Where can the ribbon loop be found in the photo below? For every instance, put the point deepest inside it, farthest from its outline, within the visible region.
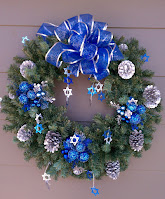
(90, 47)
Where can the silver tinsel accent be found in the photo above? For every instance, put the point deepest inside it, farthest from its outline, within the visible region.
(136, 140)
(123, 47)
(78, 170)
(152, 96)
(126, 69)
(11, 96)
(52, 141)
(24, 134)
(26, 65)
(113, 169)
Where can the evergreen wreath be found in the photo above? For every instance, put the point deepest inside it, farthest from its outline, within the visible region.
(65, 147)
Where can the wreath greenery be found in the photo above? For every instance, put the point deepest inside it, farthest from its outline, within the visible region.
(116, 90)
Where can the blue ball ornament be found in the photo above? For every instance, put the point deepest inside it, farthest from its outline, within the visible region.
(31, 94)
(135, 118)
(65, 156)
(23, 99)
(84, 157)
(141, 109)
(132, 107)
(80, 147)
(72, 155)
(24, 87)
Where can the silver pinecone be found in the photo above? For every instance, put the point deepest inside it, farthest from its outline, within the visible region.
(52, 141)
(78, 170)
(113, 169)
(152, 96)
(126, 69)
(26, 65)
(136, 140)
(24, 134)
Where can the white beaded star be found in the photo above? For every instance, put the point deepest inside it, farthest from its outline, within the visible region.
(99, 87)
(74, 140)
(108, 140)
(133, 100)
(46, 177)
(38, 118)
(67, 92)
(67, 72)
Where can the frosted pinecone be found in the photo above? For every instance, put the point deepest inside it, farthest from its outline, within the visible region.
(123, 47)
(24, 134)
(152, 96)
(78, 170)
(26, 65)
(52, 141)
(136, 140)
(126, 69)
(113, 169)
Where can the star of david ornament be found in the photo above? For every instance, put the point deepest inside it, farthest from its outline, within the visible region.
(99, 87)
(101, 96)
(39, 128)
(68, 80)
(145, 58)
(24, 39)
(67, 71)
(95, 191)
(46, 177)
(74, 140)
(92, 91)
(108, 140)
(38, 118)
(67, 92)
(107, 133)
(132, 100)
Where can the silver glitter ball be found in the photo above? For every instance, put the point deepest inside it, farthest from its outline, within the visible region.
(126, 69)
(24, 134)
(26, 65)
(123, 47)
(78, 170)
(136, 140)
(11, 96)
(113, 169)
(152, 96)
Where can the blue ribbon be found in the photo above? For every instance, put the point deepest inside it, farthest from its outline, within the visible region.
(89, 48)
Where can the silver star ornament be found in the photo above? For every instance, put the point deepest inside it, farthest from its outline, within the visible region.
(67, 92)
(74, 140)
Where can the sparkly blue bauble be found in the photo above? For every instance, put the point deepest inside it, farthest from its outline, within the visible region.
(31, 94)
(132, 106)
(80, 147)
(84, 157)
(23, 99)
(135, 118)
(73, 155)
(141, 109)
(24, 87)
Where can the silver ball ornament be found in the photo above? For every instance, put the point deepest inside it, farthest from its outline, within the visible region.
(123, 47)
(126, 69)
(78, 170)
(23, 134)
(26, 65)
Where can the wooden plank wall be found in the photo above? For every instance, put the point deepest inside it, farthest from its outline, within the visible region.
(143, 20)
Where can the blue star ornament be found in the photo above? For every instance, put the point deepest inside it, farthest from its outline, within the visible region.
(67, 71)
(145, 58)
(24, 39)
(39, 128)
(95, 191)
(101, 96)
(92, 90)
(68, 80)
(89, 175)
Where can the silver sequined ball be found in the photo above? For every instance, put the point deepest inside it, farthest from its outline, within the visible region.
(126, 69)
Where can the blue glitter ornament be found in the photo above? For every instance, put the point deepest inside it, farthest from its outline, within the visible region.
(23, 99)
(84, 157)
(132, 106)
(24, 87)
(141, 109)
(31, 94)
(72, 155)
(135, 118)
(80, 147)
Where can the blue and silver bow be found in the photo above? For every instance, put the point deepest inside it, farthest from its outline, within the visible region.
(89, 48)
